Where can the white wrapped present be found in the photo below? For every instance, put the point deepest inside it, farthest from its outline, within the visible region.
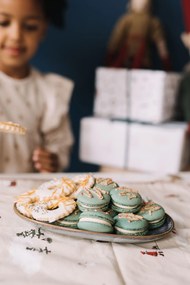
(111, 93)
(103, 142)
(151, 148)
(158, 148)
(153, 95)
(138, 95)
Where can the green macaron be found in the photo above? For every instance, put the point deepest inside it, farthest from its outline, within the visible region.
(125, 200)
(131, 224)
(96, 221)
(93, 199)
(111, 212)
(106, 184)
(153, 213)
(70, 221)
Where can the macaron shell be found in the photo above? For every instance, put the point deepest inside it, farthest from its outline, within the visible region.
(121, 209)
(131, 224)
(70, 221)
(125, 200)
(84, 207)
(108, 187)
(154, 225)
(93, 199)
(96, 221)
(94, 226)
(125, 197)
(137, 232)
(153, 213)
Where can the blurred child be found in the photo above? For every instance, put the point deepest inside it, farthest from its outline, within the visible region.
(39, 102)
(130, 42)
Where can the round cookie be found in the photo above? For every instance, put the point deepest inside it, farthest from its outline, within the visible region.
(49, 211)
(93, 199)
(131, 224)
(125, 200)
(70, 221)
(106, 184)
(96, 221)
(82, 182)
(14, 128)
(153, 213)
(55, 188)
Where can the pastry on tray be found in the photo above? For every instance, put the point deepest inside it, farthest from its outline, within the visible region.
(10, 127)
(131, 224)
(96, 221)
(93, 204)
(93, 199)
(69, 221)
(125, 200)
(153, 213)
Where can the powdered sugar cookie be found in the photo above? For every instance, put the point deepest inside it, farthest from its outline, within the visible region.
(53, 210)
(83, 182)
(56, 188)
(10, 127)
(47, 203)
(26, 203)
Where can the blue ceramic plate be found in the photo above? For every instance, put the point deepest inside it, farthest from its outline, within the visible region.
(152, 235)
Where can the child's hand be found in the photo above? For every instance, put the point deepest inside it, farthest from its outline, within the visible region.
(45, 161)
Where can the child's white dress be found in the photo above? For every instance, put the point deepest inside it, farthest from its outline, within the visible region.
(40, 103)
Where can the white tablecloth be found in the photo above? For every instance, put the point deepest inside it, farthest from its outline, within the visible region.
(31, 255)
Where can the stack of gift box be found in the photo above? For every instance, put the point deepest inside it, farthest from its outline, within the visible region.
(133, 124)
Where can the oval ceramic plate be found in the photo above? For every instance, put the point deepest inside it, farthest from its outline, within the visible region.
(152, 235)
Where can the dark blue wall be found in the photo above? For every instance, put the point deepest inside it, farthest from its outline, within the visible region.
(77, 50)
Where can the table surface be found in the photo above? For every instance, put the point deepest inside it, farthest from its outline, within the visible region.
(32, 255)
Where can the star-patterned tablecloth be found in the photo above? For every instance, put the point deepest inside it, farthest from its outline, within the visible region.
(30, 254)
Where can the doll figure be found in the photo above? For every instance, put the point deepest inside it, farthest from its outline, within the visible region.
(129, 45)
(183, 101)
(185, 37)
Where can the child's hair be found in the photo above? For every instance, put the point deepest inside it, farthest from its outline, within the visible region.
(55, 11)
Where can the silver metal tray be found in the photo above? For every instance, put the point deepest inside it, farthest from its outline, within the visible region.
(152, 235)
